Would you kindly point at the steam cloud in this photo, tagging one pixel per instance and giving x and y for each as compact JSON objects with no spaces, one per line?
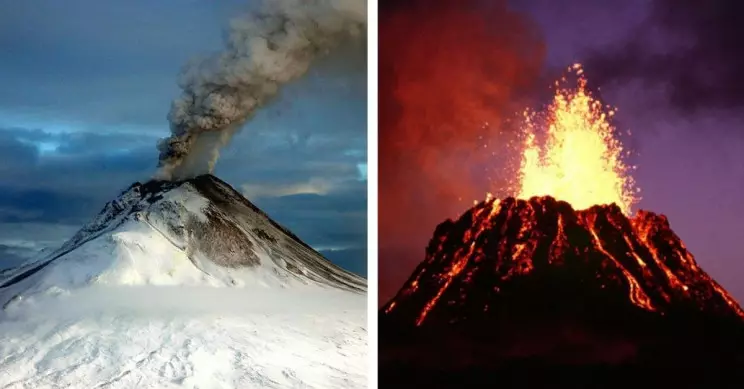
{"x":451,"y":73}
{"x":263,"y":51}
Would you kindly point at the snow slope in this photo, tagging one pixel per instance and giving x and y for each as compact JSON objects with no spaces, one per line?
{"x":114,"y":340}
{"x":182,"y":284}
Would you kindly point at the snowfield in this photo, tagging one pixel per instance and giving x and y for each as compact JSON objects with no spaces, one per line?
{"x":184,"y":337}
{"x":182,"y":285}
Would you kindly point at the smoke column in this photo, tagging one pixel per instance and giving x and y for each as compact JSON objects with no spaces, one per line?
{"x":450,"y":73}
{"x":263,"y":51}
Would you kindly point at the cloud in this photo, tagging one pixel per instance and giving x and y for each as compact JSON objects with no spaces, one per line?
{"x":333,"y":221}
{"x":312,"y":186}
{"x":70,"y":165}
{"x":16,"y":253}
{"x":353,"y":260}
{"x":689,"y":49}
{"x":20,"y":242}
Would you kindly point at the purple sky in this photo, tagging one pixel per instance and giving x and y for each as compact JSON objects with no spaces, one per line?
{"x":690,"y":161}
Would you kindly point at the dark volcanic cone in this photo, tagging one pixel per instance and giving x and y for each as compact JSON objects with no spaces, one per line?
{"x":520,"y":286}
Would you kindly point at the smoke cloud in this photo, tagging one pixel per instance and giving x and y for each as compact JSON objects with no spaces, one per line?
{"x":451,"y":73}
{"x":263,"y":51}
{"x":691,"y":49}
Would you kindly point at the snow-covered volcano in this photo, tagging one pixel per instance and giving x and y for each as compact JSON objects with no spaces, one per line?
{"x":194,"y":258}
{"x":195,"y":232}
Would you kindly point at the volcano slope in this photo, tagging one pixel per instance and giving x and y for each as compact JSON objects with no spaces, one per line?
{"x":182,"y":284}
{"x":532,"y":293}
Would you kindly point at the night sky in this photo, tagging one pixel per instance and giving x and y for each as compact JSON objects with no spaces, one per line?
{"x":86,"y":86}
{"x":673,"y":73}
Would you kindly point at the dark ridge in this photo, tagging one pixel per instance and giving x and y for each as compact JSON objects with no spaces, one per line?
{"x":225,"y":196}
{"x":202,"y":183}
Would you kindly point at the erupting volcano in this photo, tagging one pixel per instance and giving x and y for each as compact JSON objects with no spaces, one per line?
{"x":561,"y":278}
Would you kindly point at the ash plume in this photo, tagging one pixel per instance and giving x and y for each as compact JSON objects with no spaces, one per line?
{"x":264,"y":50}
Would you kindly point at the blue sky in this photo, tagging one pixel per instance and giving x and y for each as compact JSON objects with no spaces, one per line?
{"x":86,"y":86}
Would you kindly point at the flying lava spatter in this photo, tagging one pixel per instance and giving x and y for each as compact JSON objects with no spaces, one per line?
{"x":580,"y":162}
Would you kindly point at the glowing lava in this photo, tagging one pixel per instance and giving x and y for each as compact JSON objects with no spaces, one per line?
{"x":580,"y":159}
{"x":562,"y":217}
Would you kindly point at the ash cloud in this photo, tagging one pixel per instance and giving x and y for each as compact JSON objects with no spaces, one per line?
{"x":264,"y":50}
{"x":690,"y":49}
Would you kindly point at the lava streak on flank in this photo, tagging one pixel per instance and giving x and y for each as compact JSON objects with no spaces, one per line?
{"x":480,"y":224}
{"x":546,"y":249}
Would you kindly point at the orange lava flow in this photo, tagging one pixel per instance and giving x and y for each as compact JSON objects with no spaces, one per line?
{"x":580,"y":159}
{"x":558,"y":244}
{"x":642,"y":232}
{"x":727,"y":298}
{"x":523,"y":251}
{"x":480,"y":225}
{"x":457,"y":267}
{"x":637,"y":295}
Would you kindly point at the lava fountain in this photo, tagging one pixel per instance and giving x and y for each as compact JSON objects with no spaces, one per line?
{"x":580,"y":158}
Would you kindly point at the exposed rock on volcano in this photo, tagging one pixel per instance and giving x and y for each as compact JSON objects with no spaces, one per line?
{"x":519,"y":286}
{"x":196,"y":232}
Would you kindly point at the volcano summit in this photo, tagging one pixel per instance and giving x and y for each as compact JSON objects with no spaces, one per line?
{"x":182,"y":284}
{"x":535,"y":286}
